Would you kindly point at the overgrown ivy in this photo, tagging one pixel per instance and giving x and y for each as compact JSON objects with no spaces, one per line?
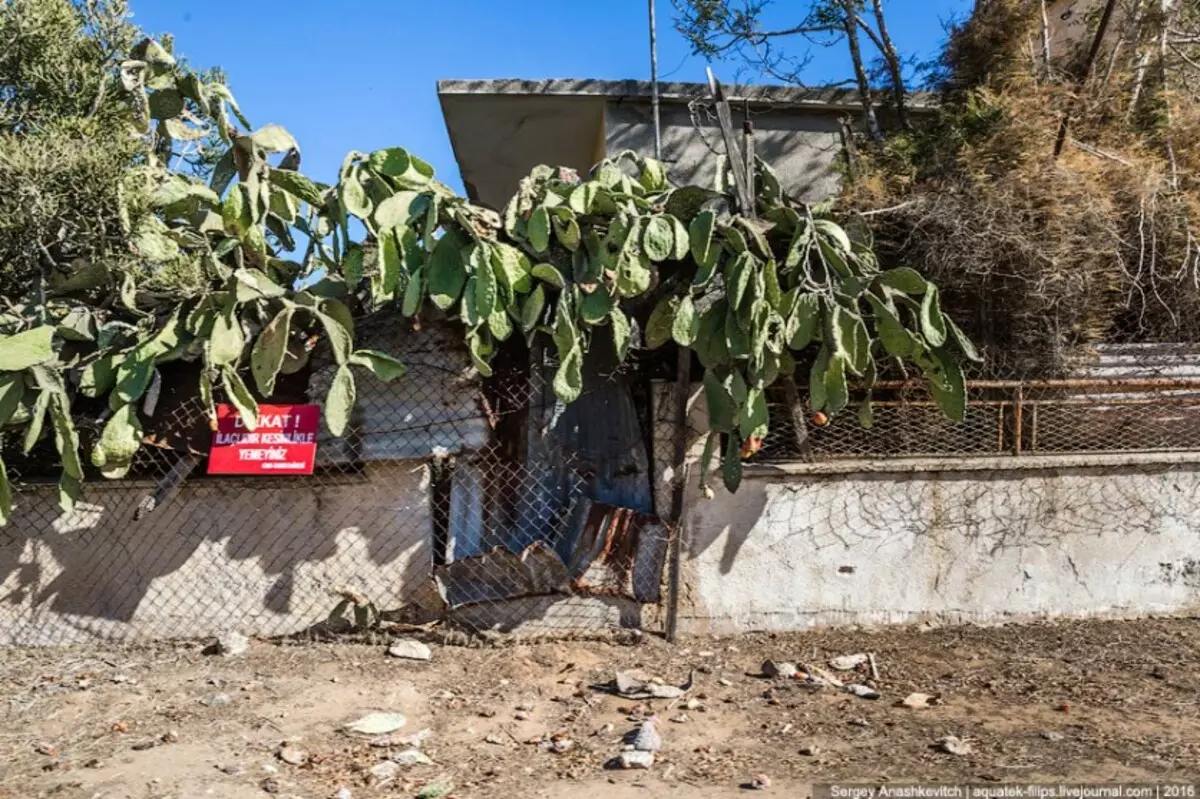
{"x":570,"y":258}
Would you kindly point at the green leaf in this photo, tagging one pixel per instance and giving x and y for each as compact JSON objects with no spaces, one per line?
{"x":240,"y":396}
{"x":266,"y":358}
{"x":26,"y":349}
{"x":165,"y":104}
{"x":706,"y":457}
{"x":731,"y":465}
{"x":235,"y":212}
{"x":567,"y":233}
{"x":12,"y":391}
{"x":701,"y":236}
{"x":654,"y":175}
{"x":512,"y":268}
{"x":595,"y":307}
{"x":446,"y":272}
{"x":392,"y":162}
{"x":933,"y":324}
{"x":227,"y":339}
{"x":680,"y":239}
{"x":339,"y":403}
{"x":802,"y":324}
{"x":531,"y":310}
{"x":382,"y":365}
{"x":480,"y":346}
{"x":658,"y":240}
{"x":964,"y":343}
{"x":98,"y":377}
{"x":401,"y":209}
{"x":756,"y":417}
{"x":390,"y":263}
{"x":119,"y":442}
{"x":485,"y":286}
{"x":832,"y":231}
{"x":817,"y":394}
{"x":5,"y":495}
{"x":904,"y":279}
{"x":134,"y":376}
{"x":620,"y":332}
{"x":354,"y":197}
{"x":661,"y":322}
{"x":352,"y":265}
{"x":897,"y":340}
{"x":773,"y":292}
{"x":66,"y":438}
{"x":339,"y":327}
{"x":568,"y":380}
{"x":633,"y":274}
{"x":499,"y":324}
{"x":950,"y":389}
{"x":34,"y":431}
{"x":740,"y":274}
{"x":837,"y":393}
{"x":866,"y":415}
{"x":583,"y":197}
{"x":223,"y":173}
{"x":539,"y":229}
{"x":259,"y":285}
{"x":273,"y":139}
{"x":722,"y":411}
{"x":686,"y":324}
{"x":298,"y":186}
{"x":550,"y":274}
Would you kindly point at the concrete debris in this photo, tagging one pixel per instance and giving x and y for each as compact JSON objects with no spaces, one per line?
{"x":411,"y":757}
{"x":216,"y":700}
{"x":771,"y":668}
{"x":648,"y":738}
{"x":848,"y":662}
{"x":385,"y":771}
{"x":377,"y":723}
{"x":632,"y":685}
{"x":409,"y":649}
{"x":918,"y":701}
{"x":495,"y":738}
{"x":232,"y":644}
{"x":954,"y":745}
{"x":635,"y":759}
{"x":411,"y":740}
{"x":760,"y":782}
{"x":293,"y":755}
{"x":861,"y":691}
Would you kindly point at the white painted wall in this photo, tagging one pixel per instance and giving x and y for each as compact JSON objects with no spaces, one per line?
{"x":796,"y":551}
{"x":260,"y":556}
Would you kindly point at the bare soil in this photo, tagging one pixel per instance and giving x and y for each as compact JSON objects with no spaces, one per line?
{"x":1080,"y":701}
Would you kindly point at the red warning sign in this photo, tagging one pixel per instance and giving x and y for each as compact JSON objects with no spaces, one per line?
{"x":284,"y":442}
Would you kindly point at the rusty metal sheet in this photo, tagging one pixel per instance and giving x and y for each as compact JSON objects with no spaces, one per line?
{"x":618,"y":552}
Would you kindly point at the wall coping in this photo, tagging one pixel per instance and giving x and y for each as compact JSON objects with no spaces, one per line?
{"x":1009,"y":463}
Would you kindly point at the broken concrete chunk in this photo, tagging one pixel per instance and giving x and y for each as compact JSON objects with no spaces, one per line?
{"x":411,"y":757}
{"x":862,"y":691}
{"x":632,"y":686}
{"x":378,"y":723}
{"x":232,"y":643}
{"x":954,"y":745}
{"x":410,"y":650}
{"x":771,"y":668}
{"x":293,"y":755}
{"x":848,"y":662}
{"x":635,"y":759}
{"x":918,"y":701}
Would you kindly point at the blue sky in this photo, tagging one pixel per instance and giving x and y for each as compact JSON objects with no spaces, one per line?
{"x":362,"y":74}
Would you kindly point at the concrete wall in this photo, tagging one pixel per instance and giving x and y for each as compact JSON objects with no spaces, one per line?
{"x":796,"y":551}
{"x":260,"y":556}
{"x":801,"y":145}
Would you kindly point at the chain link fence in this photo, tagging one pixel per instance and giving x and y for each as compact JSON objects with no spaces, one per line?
{"x":455,"y":502}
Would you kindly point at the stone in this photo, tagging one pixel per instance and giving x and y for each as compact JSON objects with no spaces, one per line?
{"x":385,"y":771}
{"x":771,"y":668}
{"x":411,"y":740}
{"x":410,"y":650}
{"x":634,"y":759}
{"x":521,"y":715}
{"x":862,"y":691}
{"x":216,"y":700}
{"x":954,"y":745}
{"x":378,"y":723}
{"x":692,"y":704}
{"x":1050,"y":735}
{"x":810,"y":750}
{"x":760,"y":782}
{"x":848,"y":662}
{"x":494,"y":738}
{"x":342,"y":793}
{"x":526,"y":706}
{"x":648,"y":738}
{"x":411,"y":757}
{"x":293,"y":755}
{"x":682,"y":718}
{"x":232,"y":643}
{"x":917,"y":701}
{"x":561,"y":745}
{"x":724,"y":682}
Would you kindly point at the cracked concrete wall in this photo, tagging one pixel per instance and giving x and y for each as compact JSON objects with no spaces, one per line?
{"x":982,"y":547}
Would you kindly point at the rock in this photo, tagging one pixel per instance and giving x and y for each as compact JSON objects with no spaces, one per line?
{"x":378,"y":723}
{"x":954,"y":745}
{"x":233,"y":770}
{"x":411,"y":757}
{"x":521,"y":715}
{"x":692,"y":704}
{"x":494,"y":738}
{"x":810,"y":749}
{"x":724,"y":682}
{"x":862,"y":691}
{"x":269,"y":785}
{"x":605,"y":730}
{"x":707,"y":653}
{"x":50,"y":750}
{"x":917,"y":701}
{"x":414,"y":739}
{"x":216,"y":700}
{"x":1050,"y":735}
{"x":384,"y":772}
{"x":648,"y":738}
{"x":435,"y":790}
{"x":95,"y":762}
{"x":772,"y":669}
{"x":562,"y":745}
{"x":342,"y":793}
{"x":410,"y":650}
{"x":293,"y":755}
{"x":443,"y":695}
{"x":232,"y":644}
{"x":760,"y":782}
{"x":682,"y":718}
{"x":526,"y":706}
{"x":632,"y":685}
{"x":635,"y":759}
{"x":848,"y":662}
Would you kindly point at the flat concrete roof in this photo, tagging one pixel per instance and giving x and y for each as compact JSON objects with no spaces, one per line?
{"x":829,"y":98}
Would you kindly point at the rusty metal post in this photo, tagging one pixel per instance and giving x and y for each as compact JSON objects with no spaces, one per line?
{"x":1019,"y":419}
{"x":683,"y":387}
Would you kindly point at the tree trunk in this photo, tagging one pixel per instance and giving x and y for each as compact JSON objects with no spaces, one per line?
{"x":850,"y":25}
{"x":892,"y":59}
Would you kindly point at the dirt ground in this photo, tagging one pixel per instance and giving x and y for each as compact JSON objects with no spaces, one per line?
{"x":1079,"y":701}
